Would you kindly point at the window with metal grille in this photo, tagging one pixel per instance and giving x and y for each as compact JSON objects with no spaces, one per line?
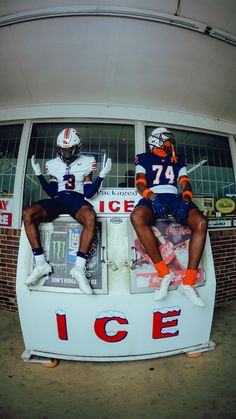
{"x":210,"y":166}
{"x":114,"y":140}
{"x":10,"y":136}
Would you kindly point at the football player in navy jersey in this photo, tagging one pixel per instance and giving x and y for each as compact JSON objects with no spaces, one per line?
{"x":70,"y":183}
{"x":157,"y":174}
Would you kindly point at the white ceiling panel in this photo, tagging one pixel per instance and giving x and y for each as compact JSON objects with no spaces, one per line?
{"x":120,"y":61}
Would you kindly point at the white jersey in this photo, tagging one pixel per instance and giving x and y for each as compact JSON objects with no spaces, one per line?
{"x":71,"y":177}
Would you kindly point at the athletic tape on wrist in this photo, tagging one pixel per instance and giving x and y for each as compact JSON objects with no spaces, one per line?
{"x":187,"y":193}
{"x":146,"y":192}
{"x":184,"y":179}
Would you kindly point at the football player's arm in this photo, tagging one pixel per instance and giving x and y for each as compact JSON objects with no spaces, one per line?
{"x":141,"y":186}
{"x":185,"y":184}
{"x":141,"y":179}
{"x":51,"y":188}
{"x":91,"y":188}
{"x":184,"y":180}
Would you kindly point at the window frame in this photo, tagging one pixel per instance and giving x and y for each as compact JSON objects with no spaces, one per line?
{"x":139,"y":139}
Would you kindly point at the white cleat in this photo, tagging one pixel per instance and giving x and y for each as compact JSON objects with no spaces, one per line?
{"x":38,"y":272}
{"x":78,"y":273}
{"x":192,"y":294}
{"x":161,"y":293}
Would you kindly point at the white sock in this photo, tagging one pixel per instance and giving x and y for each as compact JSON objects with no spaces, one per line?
{"x":40,"y":259}
{"x":80,"y":262}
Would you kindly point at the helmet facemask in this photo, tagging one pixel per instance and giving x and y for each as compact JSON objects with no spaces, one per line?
{"x":68,"y":155}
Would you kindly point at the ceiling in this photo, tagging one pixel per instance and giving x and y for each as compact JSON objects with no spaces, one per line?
{"x":113,"y":59}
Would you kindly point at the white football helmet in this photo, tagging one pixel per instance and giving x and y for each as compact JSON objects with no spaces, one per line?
{"x":69,"y":145}
{"x":159,"y":136}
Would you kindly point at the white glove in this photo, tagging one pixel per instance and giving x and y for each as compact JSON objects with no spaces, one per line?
{"x":36,"y":168}
{"x":106,"y":169}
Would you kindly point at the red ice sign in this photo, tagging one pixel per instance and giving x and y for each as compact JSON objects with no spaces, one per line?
{"x":6,"y":219}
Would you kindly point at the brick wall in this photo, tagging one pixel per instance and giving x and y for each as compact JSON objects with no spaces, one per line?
{"x":223,"y":245}
{"x":224,"y":254}
{"x":9,"y":246}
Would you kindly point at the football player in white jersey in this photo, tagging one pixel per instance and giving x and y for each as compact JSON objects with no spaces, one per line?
{"x":70,"y":183}
{"x":157,"y":174}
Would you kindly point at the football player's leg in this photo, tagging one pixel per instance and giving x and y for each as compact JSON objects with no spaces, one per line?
{"x":87,"y":217}
{"x":30,"y":217}
{"x":141,"y":218}
{"x":198,"y":224}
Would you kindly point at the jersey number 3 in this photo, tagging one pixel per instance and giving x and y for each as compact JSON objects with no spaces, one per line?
{"x":69,"y":181}
{"x":169,"y":173}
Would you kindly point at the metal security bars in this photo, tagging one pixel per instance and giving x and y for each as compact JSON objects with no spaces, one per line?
{"x":210,"y":165}
{"x":10,"y":136}
{"x":115,"y":140}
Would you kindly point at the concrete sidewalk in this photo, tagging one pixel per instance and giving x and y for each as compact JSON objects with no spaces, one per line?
{"x":165,"y":388}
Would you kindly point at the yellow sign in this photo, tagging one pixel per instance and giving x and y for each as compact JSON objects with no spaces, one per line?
{"x":205,"y":203}
{"x":225,"y":205}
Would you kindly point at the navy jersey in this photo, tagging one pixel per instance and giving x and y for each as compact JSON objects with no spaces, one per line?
{"x":161,"y":174}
